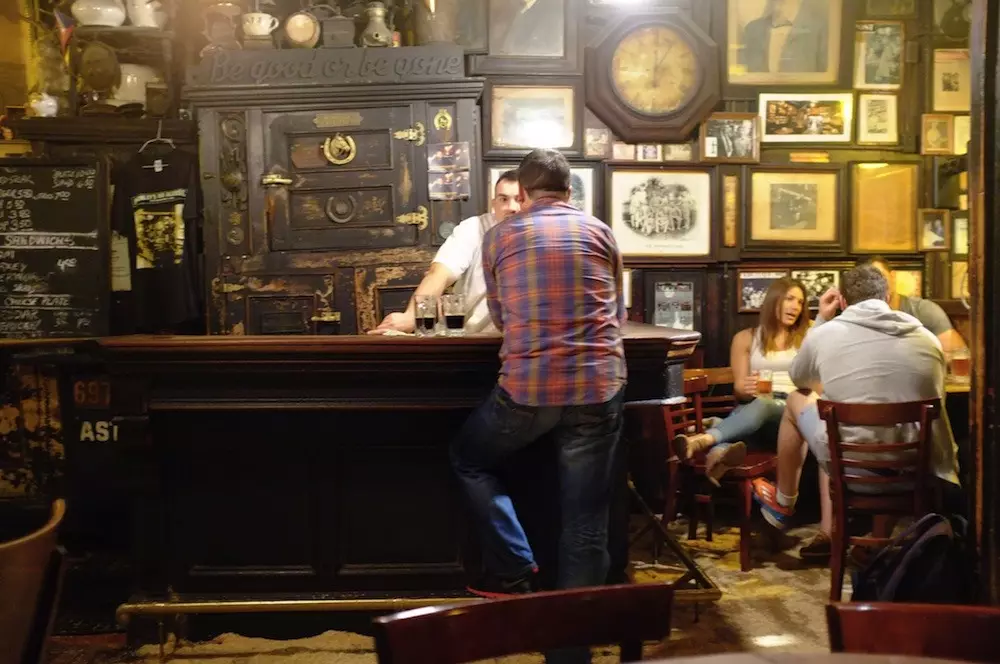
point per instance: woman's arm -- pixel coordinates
(744, 385)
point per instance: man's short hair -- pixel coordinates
(873, 260)
(544, 170)
(864, 282)
(506, 176)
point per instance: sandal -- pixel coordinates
(723, 458)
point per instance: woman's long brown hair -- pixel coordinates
(770, 321)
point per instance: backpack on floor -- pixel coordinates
(929, 562)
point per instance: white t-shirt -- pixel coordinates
(462, 254)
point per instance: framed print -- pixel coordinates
(934, 230)
(891, 8)
(525, 117)
(794, 208)
(806, 118)
(937, 133)
(884, 218)
(751, 287)
(960, 234)
(951, 86)
(583, 179)
(878, 120)
(623, 151)
(730, 209)
(951, 19)
(963, 134)
(649, 152)
(816, 282)
(597, 143)
(678, 152)
(878, 55)
(674, 299)
(661, 213)
(960, 280)
(908, 283)
(472, 25)
(731, 138)
(542, 36)
(627, 287)
(803, 50)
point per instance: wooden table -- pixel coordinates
(814, 658)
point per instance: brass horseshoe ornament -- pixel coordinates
(340, 149)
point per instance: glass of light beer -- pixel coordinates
(764, 382)
(960, 366)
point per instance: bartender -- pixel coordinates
(459, 261)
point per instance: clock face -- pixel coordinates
(654, 70)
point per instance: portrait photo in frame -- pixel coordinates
(732, 138)
(934, 229)
(794, 208)
(884, 218)
(674, 299)
(751, 287)
(661, 212)
(810, 34)
(806, 118)
(878, 119)
(937, 133)
(878, 55)
(525, 117)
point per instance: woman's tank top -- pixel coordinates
(778, 361)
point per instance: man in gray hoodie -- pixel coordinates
(868, 354)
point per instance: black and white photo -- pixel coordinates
(817, 282)
(937, 133)
(806, 118)
(951, 82)
(951, 19)
(752, 287)
(649, 152)
(674, 303)
(661, 213)
(878, 55)
(878, 120)
(730, 137)
(935, 234)
(793, 206)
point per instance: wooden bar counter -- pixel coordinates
(277, 465)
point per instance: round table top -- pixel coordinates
(803, 658)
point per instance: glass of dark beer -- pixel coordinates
(453, 305)
(426, 313)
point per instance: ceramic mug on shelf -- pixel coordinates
(259, 24)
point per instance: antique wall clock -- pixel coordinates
(652, 76)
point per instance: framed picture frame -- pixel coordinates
(622, 151)
(817, 281)
(730, 138)
(662, 212)
(934, 229)
(937, 133)
(959, 235)
(884, 215)
(678, 152)
(752, 285)
(795, 208)
(963, 134)
(951, 86)
(649, 152)
(891, 8)
(811, 55)
(908, 283)
(541, 37)
(951, 21)
(522, 116)
(674, 299)
(878, 119)
(597, 143)
(472, 26)
(806, 118)
(585, 183)
(960, 280)
(879, 48)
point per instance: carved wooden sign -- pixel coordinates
(297, 67)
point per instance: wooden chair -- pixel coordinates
(900, 474)
(625, 614)
(30, 573)
(926, 630)
(698, 494)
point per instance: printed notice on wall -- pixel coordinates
(121, 273)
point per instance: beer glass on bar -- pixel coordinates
(426, 313)
(453, 305)
(764, 381)
(960, 366)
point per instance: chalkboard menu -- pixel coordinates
(53, 249)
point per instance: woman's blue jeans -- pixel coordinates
(748, 419)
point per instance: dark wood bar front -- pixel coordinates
(296, 465)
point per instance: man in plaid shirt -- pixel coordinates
(553, 283)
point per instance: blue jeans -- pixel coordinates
(586, 437)
(747, 419)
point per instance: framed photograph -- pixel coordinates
(885, 207)
(597, 143)
(661, 213)
(878, 55)
(623, 151)
(542, 36)
(751, 286)
(935, 230)
(730, 209)
(891, 8)
(627, 287)
(449, 186)
(951, 19)
(731, 138)
(960, 234)
(960, 280)
(472, 26)
(678, 152)
(951, 86)
(445, 157)
(937, 133)
(794, 208)
(525, 117)
(674, 299)
(816, 282)
(806, 118)
(804, 48)
(878, 120)
(583, 180)
(963, 134)
(908, 283)
(649, 152)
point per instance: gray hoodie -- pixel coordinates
(874, 354)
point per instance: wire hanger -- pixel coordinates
(158, 165)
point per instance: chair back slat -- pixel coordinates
(626, 614)
(903, 464)
(874, 448)
(970, 633)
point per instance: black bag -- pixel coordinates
(929, 562)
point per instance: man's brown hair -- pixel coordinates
(506, 176)
(864, 282)
(544, 171)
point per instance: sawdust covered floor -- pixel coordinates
(779, 606)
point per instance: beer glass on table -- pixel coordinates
(764, 382)
(959, 366)
(426, 314)
(453, 305)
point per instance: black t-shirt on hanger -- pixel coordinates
(156, 210)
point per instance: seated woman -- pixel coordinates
(772, 345)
